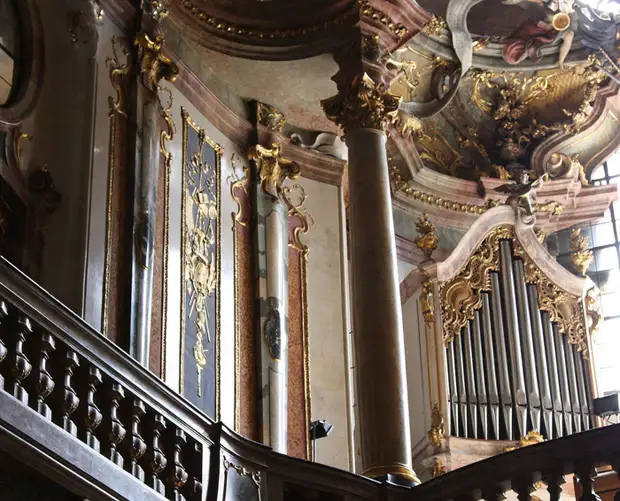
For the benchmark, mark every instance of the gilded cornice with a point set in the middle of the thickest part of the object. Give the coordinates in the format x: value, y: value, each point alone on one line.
x: 366, y: 104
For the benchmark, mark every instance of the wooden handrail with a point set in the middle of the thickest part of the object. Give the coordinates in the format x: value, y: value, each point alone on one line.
x: 34, y: 324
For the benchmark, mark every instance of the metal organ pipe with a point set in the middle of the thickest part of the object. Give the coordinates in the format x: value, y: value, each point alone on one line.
x: 490, y: 365
x: 472, y: 397
x: 512, y: 327
x: 583, y: 399
x: 460, y: 382
x: 525, y: 322
x: 454, y: 396
x: 480, y: 379
x: 554, y: 375
x: 541, y: 360
x: 502, y: 355
x: 572, y: 382
x: 563, y: 379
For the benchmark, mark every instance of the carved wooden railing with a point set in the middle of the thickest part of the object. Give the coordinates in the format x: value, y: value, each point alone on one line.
x: 82, y: 412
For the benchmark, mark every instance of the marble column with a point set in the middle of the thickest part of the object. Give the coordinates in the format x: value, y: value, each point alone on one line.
x: 272, y: 286
x: 363, y: 108
x: 153, y: 67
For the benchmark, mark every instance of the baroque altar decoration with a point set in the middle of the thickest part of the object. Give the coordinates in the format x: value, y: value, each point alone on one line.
x: 200, y: 268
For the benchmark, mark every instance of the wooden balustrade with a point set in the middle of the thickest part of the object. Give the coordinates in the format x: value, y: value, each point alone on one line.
x: 84, y: 412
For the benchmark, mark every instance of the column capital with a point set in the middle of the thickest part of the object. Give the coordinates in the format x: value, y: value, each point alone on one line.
x: 365, y: 104
x: 154, y: 66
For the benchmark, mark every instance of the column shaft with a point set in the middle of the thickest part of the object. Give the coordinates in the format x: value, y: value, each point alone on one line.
x: 378, y: 328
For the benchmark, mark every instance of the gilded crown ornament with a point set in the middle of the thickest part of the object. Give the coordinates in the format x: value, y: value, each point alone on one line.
x: 365, y: 105
x: 580, y: 257
x: 272, y: 169
x: 427, y: 241
x: 154, y: 66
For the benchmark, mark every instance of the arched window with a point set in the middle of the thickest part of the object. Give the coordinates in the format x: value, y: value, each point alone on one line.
x: 10, y: 44
x: 604, y: 271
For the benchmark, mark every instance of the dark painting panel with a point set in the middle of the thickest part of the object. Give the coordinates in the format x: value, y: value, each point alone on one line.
x: 200, y: 321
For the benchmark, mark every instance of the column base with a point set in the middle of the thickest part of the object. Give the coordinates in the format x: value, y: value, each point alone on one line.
x: 396, y: 474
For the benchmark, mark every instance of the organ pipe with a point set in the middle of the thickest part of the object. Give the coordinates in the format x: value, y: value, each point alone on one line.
x: 490, y: 372
x: 472, y: 397
x: 480, y: 379
x: 554, y: 373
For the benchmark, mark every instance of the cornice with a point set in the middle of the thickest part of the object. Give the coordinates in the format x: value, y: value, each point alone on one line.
x: 314, y: 165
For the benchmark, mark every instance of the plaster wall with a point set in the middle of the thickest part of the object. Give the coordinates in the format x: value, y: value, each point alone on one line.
x: 61, y: 129
x: 327, y: 331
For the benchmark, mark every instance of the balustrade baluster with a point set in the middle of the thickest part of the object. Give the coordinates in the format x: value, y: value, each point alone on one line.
x: 554, y: 486
x: 524, y: 489
x: 45, y: 383
x: 93, y: 414
x: 586, y: 475
x: 157, y: 459
x: 138, y: 445
x: 116, y: 431
x: 22, y: 366
x: 616, y: 466
x: 193, y: 462
x: 70, y: 400
x: 4, y: 313
x: 178, y: 474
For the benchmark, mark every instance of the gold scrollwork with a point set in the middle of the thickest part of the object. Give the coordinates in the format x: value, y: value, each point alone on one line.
x: 154, y: 66
x: 593, y: 310
x: 427, y: 241
x: 438, y: 428
x: 118, y: 71
x: 439, y: 468
x: 270, y: 117
x: 201, y: 260
x: 243, y: 471
x: 427, y: 302
x: 531, y: 438
x: 581, y: 257
x: 272, y: 169
x: 366, y: 104
x: 461, y: 296
x: 563, y: 308
x: 435, y: 26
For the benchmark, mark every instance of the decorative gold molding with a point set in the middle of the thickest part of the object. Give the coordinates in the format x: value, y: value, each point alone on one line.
x: 237, y: 183
x: 531, y: 438
x: 427, y: 302
x: 397, y: 469
x: 270, y: 117
x: 435, y: 26
x: 461, y: 296
x: 116, y: 106
x: 234, y: 29
x: 593, y: 310
x: 402, y: 186
x: 580, y: 256
x: 154, y: 66
x: 438, y: 429
x: 439, y: 468
x: 272, y: 169
x: 157, y: 9
x: 241, y: 470
x: 367, y: 10
x: 427, y: 241
x: 366, y: 105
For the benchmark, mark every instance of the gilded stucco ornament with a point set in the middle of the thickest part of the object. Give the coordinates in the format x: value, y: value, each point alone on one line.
x: 581, y: 257
x: 427, y: 302
x: 367, y: 10
x: 157, y: 9
x: 427, y: 241
x: 521, y: 194
x: 531, y: 438
x: 435, y: 26
x: 272, y: 169
x: 365, y: 105
x: 270, y: 117
x: 154, y: 66
x: 462, y: 295
x: 593, y: 310
x: 438, y: 428
x: 439, y: 468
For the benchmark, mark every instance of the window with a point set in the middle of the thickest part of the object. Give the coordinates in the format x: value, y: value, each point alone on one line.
x: 9, y: 49
x: 604, y: 271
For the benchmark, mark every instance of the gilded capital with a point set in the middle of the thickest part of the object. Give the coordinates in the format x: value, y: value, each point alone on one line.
x: 154, y: 66
x: 366, y: 104
x: 272, y: 169
x: 580, y: 256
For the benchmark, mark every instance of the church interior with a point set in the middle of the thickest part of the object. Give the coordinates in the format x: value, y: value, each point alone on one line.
x: 309, y: 250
